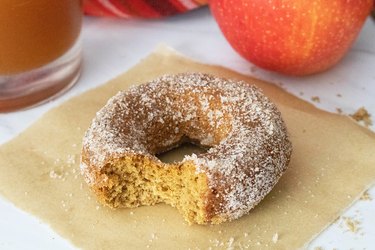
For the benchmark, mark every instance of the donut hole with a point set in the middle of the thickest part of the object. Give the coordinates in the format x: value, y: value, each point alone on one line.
x: 177, y: 154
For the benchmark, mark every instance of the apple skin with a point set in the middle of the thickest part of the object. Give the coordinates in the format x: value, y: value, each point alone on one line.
x: 294, y: 37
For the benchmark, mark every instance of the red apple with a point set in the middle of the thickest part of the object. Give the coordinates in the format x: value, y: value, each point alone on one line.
x: 296, y: 37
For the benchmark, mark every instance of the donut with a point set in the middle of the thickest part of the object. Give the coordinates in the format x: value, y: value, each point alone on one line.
x: 248, y: 148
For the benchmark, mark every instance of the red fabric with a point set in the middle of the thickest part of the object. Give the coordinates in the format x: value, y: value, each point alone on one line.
x: 93, y: 8
x: 140, y: 8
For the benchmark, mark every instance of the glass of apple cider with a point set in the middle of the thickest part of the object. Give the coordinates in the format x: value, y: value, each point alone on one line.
x: 40, y: 53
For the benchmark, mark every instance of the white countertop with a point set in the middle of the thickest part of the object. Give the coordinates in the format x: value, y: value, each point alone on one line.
x: 113, y: 46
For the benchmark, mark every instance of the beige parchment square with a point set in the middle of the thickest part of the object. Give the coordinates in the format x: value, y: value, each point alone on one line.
x: 333, y: 162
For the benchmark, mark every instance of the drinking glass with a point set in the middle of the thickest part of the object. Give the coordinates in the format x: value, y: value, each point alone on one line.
x: 40, y: 52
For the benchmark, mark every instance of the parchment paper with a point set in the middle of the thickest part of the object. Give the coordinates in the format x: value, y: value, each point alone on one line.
x: 333, y: 162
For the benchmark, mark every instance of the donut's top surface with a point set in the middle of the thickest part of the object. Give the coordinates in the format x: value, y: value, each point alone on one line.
x: 248, y: 143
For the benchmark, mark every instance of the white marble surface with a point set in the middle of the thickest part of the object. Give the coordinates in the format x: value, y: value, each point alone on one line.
x: 113, y: 46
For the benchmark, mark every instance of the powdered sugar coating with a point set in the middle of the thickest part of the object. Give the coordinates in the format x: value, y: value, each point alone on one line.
x: 249, y: 145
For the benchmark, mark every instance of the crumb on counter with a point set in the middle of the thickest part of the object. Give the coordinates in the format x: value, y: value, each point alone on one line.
x: 362, y: 115
x: 315, y: 99
x: 253, y: 69
x: 365, y: 196
x: 351, y: 224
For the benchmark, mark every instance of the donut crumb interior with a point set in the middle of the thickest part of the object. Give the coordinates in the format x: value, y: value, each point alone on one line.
x: 135, y: 181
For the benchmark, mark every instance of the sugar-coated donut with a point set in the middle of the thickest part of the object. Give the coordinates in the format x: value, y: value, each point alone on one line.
x: 249, y: 148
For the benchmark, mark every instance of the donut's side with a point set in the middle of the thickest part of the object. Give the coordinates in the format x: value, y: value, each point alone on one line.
x: 249, y: 162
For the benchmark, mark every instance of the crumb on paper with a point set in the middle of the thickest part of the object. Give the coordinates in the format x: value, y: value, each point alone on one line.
x: 301, y: 93
x: 54, y: 175
x: 215, y: 242
x: 71, y: 159
x: 339, y: 95
x: 275, y: 238
x: 339, y: 111
x: 362, y: 115
x: 365, y: 196
x: 230, y: 242
x: 315, y: 99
